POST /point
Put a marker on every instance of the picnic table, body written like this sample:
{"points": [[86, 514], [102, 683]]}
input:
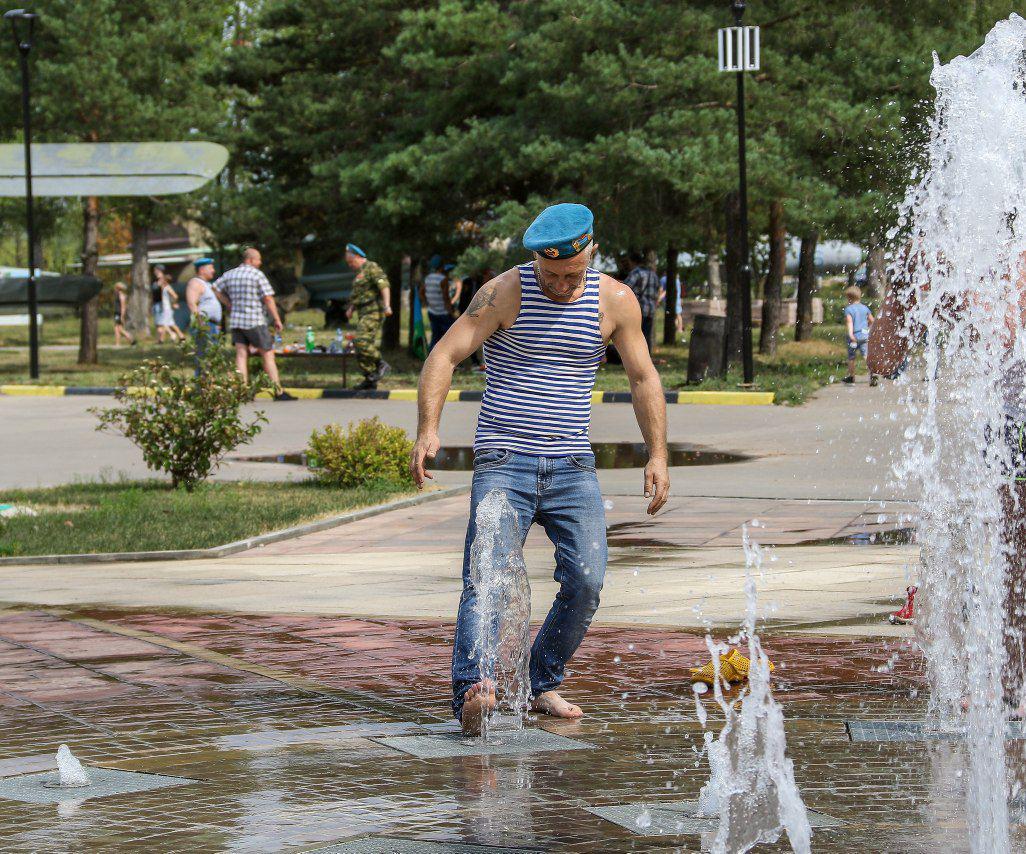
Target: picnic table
{"points": [[344, 356]]}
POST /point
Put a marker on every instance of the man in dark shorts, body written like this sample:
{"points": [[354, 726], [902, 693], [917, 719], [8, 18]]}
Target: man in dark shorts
{"points": [[246, 293]]}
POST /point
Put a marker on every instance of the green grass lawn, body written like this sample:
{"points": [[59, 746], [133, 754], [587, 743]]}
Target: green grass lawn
{"points": [[148, 515], [793, 374]]}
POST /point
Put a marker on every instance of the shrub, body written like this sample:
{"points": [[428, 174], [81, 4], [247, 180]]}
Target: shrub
{"points": [[184, 424], [365, 451]]}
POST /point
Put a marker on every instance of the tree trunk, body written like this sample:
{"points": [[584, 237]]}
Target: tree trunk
{"points": [[876, 273], [713, 271], [735, 258], [771, 290], [806, 286], [139, 299], [87, 349], [390, 333], [672, 289]]}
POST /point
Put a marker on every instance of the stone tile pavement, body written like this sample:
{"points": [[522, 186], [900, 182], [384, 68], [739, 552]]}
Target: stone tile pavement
{"points": [[277, 720]]}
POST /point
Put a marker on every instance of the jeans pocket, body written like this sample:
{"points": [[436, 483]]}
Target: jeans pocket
{"points": [[491, 459], [585, 462]]}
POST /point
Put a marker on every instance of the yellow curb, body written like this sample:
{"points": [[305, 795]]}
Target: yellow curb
{"points": [[727, 398], [411, 394], [33, 390], [302, 393], [453, 394], [596, 396]]}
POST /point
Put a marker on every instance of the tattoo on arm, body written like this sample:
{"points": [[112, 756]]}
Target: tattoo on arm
{"points": [[601, 315], [484, 298]]}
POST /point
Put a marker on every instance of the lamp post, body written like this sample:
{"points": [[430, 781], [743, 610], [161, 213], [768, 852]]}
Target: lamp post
{"points": [[22, 27], [738, 53]]}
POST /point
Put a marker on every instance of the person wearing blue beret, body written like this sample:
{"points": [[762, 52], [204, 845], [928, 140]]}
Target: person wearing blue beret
{"points": [[370, 299], [544, 326], [205, 308]]}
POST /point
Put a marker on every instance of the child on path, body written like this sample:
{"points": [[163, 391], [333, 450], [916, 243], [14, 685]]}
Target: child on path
{"points": [[858, 319], [120, 312]]}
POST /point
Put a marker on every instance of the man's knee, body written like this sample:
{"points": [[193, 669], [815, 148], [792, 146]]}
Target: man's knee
{"points": [[585, 590]]}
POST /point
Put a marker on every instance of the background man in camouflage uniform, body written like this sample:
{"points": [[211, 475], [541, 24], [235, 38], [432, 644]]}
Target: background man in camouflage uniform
{"points": [[371, 299]]}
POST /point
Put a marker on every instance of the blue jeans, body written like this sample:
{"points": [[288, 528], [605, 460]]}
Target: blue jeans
{"points": [[210, 339], [562, 495]]}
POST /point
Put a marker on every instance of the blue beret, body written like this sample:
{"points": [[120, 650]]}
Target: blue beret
{"points": [[202, 262], [560, 231], [356, 250], [449, 268], [435, 263]]}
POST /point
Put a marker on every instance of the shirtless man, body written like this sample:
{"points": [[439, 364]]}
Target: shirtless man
{"points": [[890, 338], [544, 326]]}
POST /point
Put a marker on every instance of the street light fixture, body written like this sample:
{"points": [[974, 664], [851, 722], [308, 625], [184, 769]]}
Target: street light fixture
{"points": [[738, 53], [23, 24]]}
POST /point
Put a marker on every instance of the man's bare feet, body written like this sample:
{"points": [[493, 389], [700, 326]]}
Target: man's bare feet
{"points": [[550, 703], [478, 700]]}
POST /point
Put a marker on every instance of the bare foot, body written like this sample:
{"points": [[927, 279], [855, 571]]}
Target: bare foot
{"points": [[550, 703], [478, 700]]}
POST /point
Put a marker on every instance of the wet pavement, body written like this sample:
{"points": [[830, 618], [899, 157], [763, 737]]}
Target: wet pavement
{"points": [[286, 727]]}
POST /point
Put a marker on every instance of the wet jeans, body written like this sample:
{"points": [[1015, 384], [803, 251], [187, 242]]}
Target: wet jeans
{"points": [[562, 495]]}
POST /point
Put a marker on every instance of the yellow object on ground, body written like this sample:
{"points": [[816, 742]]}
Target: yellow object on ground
{"points": [[733, 669]]}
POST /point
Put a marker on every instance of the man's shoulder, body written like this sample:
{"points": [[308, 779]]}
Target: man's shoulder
{"points": [[372, 268], [506, 283], [616, 296], [501, 292]]}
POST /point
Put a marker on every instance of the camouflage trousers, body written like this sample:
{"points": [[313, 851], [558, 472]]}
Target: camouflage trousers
{"points": [[368, 339]]}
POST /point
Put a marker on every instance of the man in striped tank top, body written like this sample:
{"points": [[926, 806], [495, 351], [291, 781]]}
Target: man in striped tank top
{"points": [[544, 327]]}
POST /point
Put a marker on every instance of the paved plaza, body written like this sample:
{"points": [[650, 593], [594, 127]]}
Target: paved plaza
{"points": [[295, 697]]}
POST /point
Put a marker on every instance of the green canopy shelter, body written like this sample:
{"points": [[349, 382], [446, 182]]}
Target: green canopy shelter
{"points": [[50, 290]]}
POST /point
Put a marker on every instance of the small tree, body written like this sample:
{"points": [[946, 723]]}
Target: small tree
{"points": [[184, 424], [365, 452]]}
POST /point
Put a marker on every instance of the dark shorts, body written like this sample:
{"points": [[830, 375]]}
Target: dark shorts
{"points": [[256, 336]]}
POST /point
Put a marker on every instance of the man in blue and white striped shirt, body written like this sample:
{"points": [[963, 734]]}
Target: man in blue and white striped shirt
{"points": [[544, 326]]}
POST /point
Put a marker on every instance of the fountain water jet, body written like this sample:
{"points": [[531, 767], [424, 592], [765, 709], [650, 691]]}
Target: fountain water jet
{"points": [[70, 773], [503, 611], [960, 274], [752, 786]]}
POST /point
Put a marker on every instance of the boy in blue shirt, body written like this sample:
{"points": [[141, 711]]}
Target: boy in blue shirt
{"points": [[858, 319]]}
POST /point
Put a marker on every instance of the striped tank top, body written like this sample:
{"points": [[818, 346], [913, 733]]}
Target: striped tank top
{"points": [[541, 372]]}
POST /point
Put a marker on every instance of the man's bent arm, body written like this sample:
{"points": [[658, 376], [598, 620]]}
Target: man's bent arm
{"points": [[889, 335], [492, 305], [646, 395], [273, 311], [192, 297]]}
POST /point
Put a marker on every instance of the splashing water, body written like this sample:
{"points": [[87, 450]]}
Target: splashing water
{"points": [[69, 770], [503, 611], [964, 230], [752, 786]]}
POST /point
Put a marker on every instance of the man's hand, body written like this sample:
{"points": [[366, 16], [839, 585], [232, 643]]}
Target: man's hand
{"points": [[425, 446], [657, 485], [278, 327], [349, 313], [388, 311]]}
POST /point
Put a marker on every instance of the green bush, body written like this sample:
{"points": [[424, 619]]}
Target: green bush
{"points": [[185, 424], [366, 451]]}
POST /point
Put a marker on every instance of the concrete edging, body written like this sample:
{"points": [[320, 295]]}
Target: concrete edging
{"points": [[715, 398], [240, 545]]}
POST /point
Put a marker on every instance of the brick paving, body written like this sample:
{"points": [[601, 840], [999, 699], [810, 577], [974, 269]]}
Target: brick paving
{"points": [[206, 696]]}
